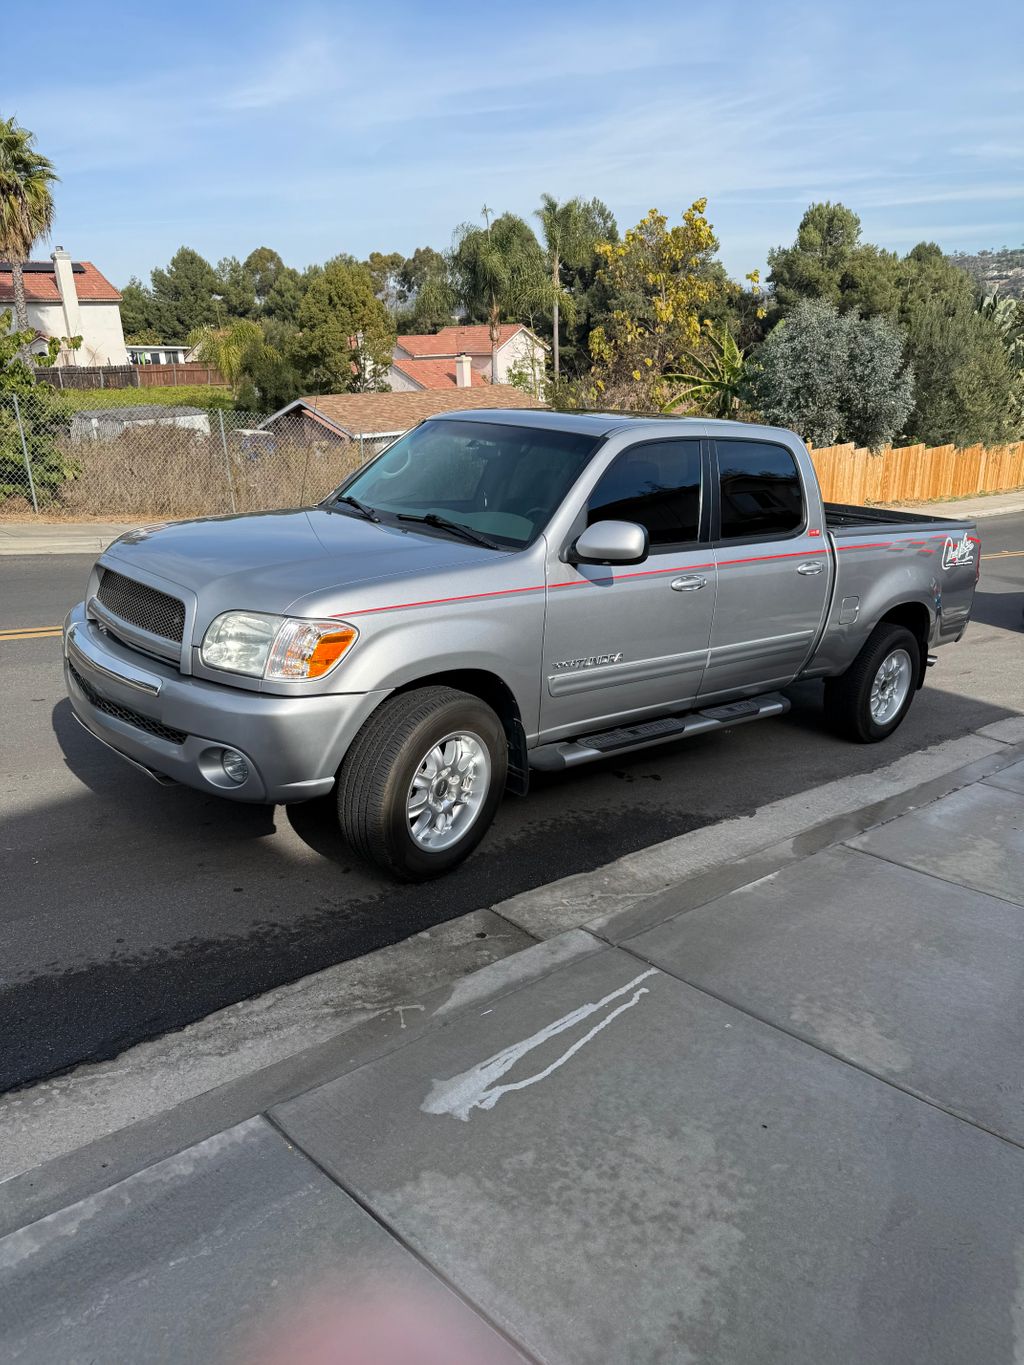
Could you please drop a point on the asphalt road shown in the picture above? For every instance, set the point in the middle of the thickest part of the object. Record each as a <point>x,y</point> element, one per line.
<point>128,909</point>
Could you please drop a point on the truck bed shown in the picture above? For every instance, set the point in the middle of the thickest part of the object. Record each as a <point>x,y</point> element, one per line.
<point>843,516</point>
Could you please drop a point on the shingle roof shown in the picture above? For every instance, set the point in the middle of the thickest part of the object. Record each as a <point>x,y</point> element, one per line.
<point>41,284</point>
<point>434,374</point>
<point>367,413</point>
<point>453,341</point>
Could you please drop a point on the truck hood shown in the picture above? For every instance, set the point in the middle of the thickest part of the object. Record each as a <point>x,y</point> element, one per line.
<point>268,561</point>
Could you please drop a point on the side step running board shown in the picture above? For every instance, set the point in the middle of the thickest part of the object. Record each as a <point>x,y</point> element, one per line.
<point>570,753</point>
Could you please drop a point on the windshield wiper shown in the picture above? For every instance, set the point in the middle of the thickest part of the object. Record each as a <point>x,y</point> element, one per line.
<point>443,524</point>
<point>360,507</point>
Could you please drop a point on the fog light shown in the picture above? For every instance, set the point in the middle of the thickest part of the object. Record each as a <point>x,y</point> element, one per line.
<point>235,766</point>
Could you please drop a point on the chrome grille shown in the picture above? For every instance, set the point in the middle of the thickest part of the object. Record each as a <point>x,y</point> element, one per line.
<point>125,713</point>
<point>141,606</point>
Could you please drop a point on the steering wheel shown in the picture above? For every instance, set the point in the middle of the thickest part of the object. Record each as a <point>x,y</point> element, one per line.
<point>536,514</point>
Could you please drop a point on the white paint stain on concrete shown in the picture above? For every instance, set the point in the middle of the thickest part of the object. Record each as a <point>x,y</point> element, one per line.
<point>476,1088</point>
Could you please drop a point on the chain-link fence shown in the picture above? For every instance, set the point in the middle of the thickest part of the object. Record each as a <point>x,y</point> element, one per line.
<point>58,459</point>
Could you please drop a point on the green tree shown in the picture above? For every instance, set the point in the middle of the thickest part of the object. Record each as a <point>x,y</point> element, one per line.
<point>571,232</point>
<point>26,205</point>
<point>184,295</point>
<point>38,415</point>
<point>965,388</point>
<point>286,293</point>
<point>259,374</point>
<point>345,334</point>
<point>138,313</point>
<point>834,377</point>
<point>498,275</point>
<point>828,261</point>
<point>385,270</point>
<point>426,291</point>
<point>264,267</point>
<point>236,290</point>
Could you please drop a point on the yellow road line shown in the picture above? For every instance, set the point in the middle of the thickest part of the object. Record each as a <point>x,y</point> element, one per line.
<point>31,633</point>
<point>1004,554</point>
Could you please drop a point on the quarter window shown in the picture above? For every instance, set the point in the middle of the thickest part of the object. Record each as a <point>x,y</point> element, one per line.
<point>656,486</point>
<point>761,493</point>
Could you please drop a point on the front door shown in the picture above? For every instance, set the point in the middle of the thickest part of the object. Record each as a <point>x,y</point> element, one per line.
<point>773,571</point>
<point>624,640</point>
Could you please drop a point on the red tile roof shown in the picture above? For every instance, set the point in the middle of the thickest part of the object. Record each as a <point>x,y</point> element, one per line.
<point>41,285</point>
<point>434,374</point>
<point>453,341</point>
<point>367,413</point>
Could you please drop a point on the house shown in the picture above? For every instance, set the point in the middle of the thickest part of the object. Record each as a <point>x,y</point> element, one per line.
<point>69,298</point>
<point>104,424</point>
<point>439,361</point>
<point>334,417</point>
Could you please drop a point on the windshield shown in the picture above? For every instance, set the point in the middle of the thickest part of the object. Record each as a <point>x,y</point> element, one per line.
<point>502,482</point>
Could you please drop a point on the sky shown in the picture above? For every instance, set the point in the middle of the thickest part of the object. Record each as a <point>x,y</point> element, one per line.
<point>317,128</point>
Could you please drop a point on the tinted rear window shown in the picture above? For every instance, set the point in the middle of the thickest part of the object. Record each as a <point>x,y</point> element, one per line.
<point>761,493</point>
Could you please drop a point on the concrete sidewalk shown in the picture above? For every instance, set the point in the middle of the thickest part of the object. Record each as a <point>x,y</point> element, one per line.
<point>41,537</point>
<point>772,1112</point>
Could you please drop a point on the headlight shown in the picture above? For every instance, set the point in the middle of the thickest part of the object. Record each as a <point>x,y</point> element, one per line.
<point>280,647</point>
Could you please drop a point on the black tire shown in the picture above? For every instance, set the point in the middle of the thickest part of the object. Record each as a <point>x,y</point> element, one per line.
<point>375,779</point>
<point>848,697</point>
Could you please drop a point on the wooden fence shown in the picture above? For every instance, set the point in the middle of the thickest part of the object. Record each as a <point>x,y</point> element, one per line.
<point>128,376</point>
<point>918,473</point>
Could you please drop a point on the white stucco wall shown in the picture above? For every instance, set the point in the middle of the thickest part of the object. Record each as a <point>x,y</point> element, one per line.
<point>102,334</point>
<point>400,383</point>
<point>521,350</point>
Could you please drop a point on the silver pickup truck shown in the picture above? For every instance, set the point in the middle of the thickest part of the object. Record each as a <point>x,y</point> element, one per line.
<point>498,592</point>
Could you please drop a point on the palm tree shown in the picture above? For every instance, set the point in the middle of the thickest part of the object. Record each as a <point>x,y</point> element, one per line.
<point>498,271</point>
<point>26,204</point>
<point>227,348</point>
<point>571,231</point>
<point>717,384</point>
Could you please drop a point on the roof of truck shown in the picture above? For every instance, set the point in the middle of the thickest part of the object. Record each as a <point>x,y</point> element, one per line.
<point>604,423</point>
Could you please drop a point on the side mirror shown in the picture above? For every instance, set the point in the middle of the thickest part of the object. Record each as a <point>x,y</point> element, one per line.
<point>611,542</point>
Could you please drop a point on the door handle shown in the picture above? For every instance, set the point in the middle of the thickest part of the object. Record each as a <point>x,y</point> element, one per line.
<point>689,583</point>
<point>812,566</point>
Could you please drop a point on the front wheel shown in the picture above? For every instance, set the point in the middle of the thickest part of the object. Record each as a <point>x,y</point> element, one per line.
<point>870,700</point>
<point>422,781</point>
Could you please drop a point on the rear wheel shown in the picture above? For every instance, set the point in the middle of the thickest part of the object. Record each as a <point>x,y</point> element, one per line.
<point>869,701</point>
<point>421,783</point>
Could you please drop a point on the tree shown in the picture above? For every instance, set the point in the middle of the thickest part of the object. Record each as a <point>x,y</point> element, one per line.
<point>385,270</point>
<point>259,374</point>
<point>26,205</point>
<point>346,336</point>
<point>571,232</point>
<point>717,382</point>
<point>184,295</point>
<point>498,274</point>
<point>834,377</point>
<point>236,290</point>
<point>828,261</point>
<point>656,287</point>
<point>264,267</point>
<point>426,291</point>
<point>39,419</point>
<point>138,313</point>
<point>964,380</point>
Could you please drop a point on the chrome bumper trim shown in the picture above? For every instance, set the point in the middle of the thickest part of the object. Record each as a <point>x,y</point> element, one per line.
<point>77,645</point>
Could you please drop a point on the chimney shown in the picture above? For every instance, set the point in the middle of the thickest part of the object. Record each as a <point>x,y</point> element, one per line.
<point>463,371</point>
<point>65,278</point>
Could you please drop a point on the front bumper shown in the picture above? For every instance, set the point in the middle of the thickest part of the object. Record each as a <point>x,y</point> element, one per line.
<point>175,726</point>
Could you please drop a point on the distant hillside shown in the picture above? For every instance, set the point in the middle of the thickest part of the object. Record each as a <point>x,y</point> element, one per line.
<point>991,270</point>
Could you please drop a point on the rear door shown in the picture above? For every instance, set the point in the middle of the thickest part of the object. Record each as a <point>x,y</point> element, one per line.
<point>623,640</point>
<point>773,569</point>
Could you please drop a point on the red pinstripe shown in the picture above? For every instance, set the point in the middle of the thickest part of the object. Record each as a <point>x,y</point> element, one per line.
<point>618,578</point>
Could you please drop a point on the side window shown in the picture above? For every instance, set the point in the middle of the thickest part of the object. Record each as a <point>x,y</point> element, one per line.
<point>656,485</point>
<point>760,489</point>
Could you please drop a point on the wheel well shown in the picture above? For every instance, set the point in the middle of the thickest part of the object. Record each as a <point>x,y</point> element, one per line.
<point>501,699</point>
<point>914,615</point>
